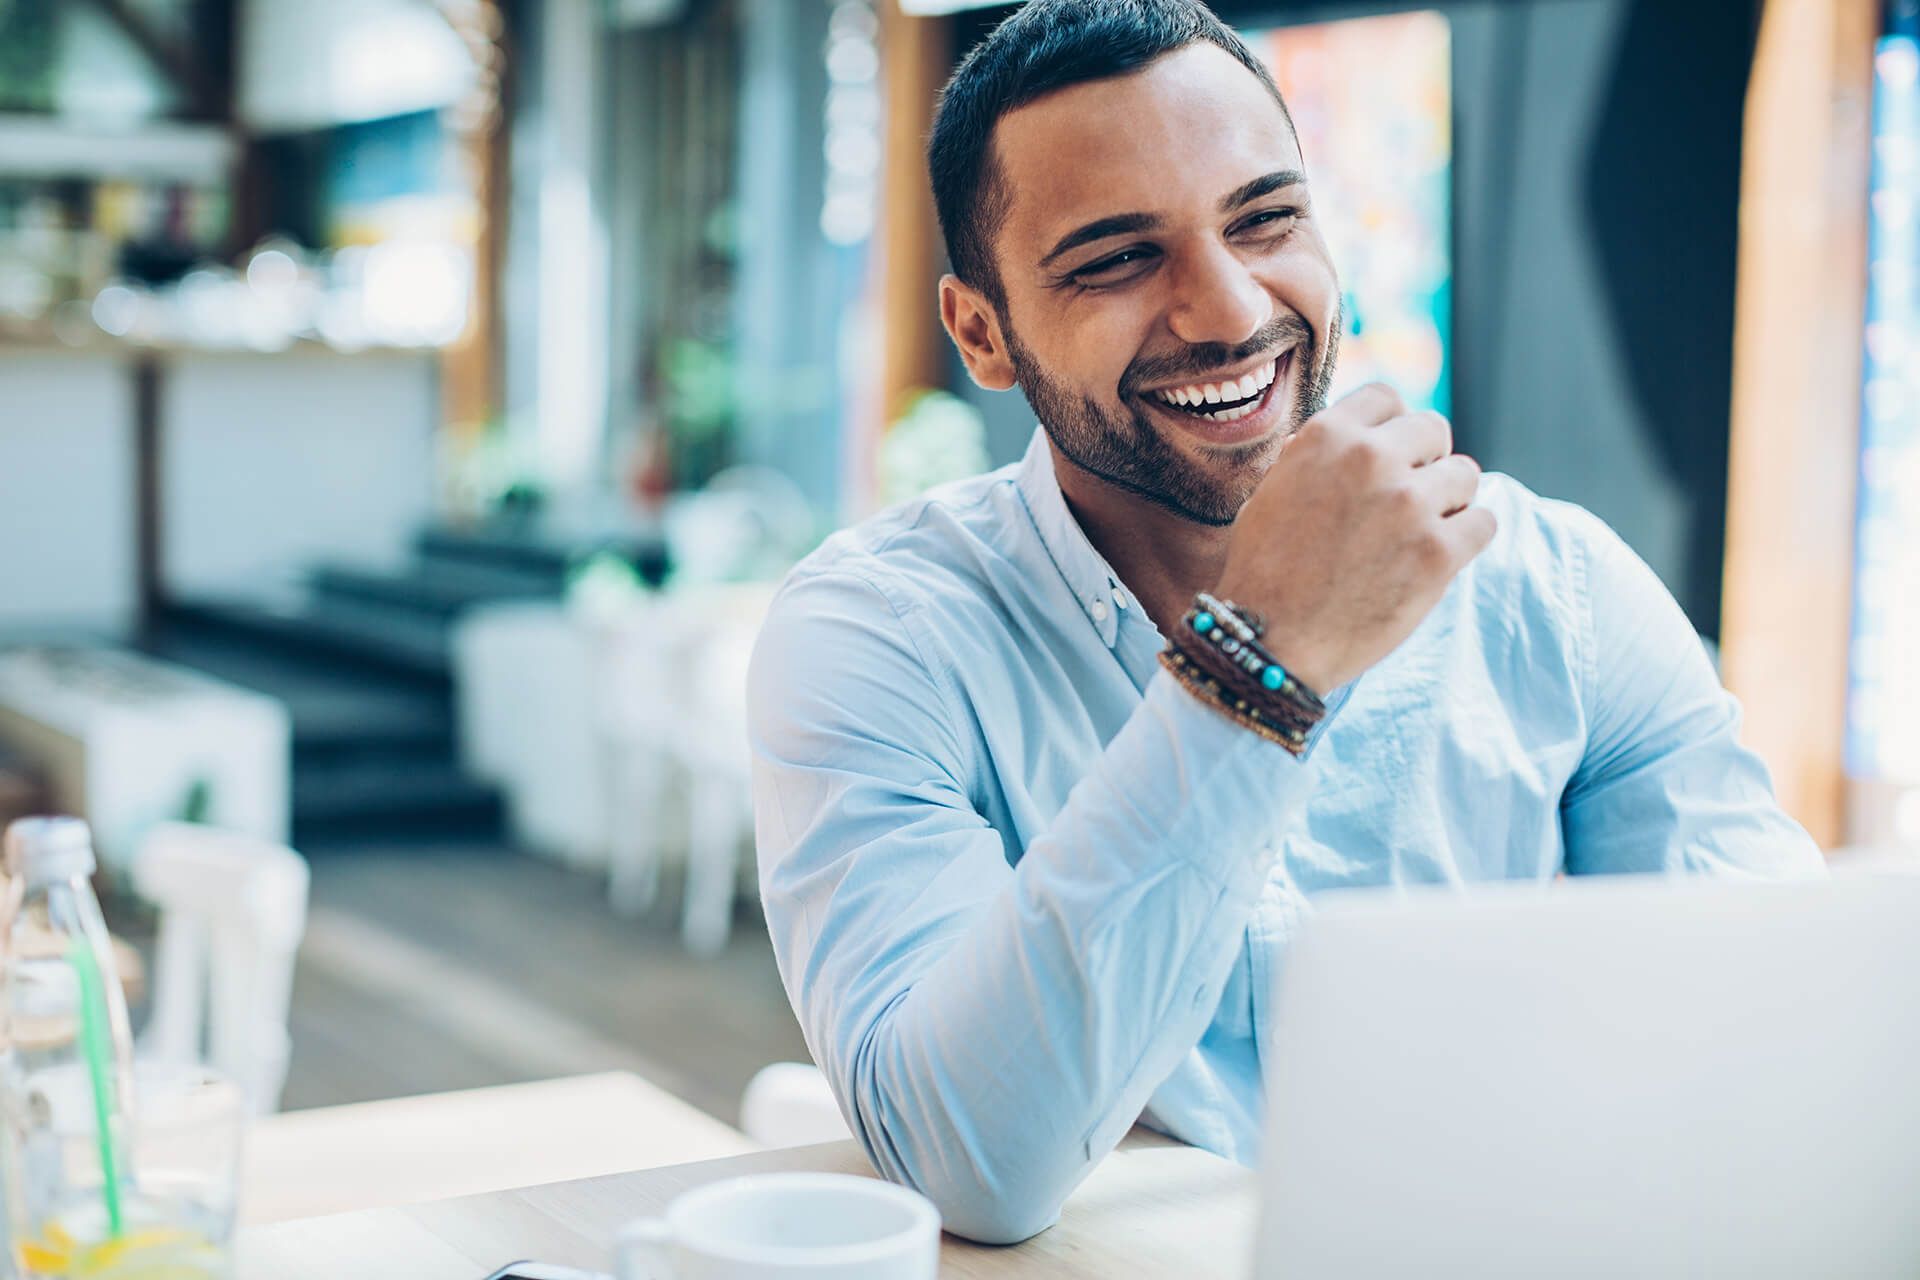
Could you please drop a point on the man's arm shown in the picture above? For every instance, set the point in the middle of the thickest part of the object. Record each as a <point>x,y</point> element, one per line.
<point>992,1030</point>
<point>1664,784</point>
<point>993,1020</point>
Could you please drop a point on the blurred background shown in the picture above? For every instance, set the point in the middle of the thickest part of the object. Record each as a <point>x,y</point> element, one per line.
<point>406,407</point>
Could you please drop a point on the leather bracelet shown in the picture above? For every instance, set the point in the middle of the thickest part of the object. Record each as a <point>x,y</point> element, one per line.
<point>1238,637</point>
<point>1209,691</point>
<point>1211,662</point>
<point>1218,657</point>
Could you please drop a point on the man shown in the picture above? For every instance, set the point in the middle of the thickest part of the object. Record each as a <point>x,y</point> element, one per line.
<point>1025,887</point>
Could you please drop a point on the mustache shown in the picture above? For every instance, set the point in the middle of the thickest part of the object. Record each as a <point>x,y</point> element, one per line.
<point>1201,359</point>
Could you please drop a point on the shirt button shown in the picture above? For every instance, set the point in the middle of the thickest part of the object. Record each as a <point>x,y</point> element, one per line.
<point>1099,610</point>
<point>1119,598</point>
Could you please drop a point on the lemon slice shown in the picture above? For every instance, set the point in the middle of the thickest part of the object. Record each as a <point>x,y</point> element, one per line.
<point>49,1258</point>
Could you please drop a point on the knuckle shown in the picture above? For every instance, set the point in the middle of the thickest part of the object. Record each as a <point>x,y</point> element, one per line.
<point>1357,457</point>
<point>1388,398</point>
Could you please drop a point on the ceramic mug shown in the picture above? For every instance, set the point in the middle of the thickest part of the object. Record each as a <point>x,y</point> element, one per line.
<point>782,1226</point>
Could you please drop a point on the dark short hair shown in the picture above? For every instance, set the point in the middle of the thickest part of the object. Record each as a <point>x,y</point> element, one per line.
<point>1048,45</point>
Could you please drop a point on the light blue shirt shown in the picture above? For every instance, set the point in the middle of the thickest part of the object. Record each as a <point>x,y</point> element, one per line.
<point>1024,889</point>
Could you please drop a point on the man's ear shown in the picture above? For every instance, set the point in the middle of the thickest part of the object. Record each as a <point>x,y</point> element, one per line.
<point>973,322</point>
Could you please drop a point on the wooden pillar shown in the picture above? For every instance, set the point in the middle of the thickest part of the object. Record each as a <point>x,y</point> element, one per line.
<point>916,56</point>
<point>1798,339</point>
<point>470,365</point>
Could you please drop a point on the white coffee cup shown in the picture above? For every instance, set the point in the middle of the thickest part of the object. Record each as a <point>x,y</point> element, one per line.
<point>782,1226</point>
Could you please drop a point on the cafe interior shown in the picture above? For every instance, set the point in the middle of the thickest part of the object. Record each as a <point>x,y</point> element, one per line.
<point>409,407</point>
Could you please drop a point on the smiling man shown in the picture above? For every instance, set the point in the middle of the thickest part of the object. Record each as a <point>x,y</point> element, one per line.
<point>1048,764</point>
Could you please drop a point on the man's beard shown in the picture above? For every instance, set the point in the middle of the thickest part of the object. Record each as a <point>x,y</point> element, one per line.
<point>1128,450</point>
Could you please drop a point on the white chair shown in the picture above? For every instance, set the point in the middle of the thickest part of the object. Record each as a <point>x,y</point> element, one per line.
<point>232,912</point>
<point>633,673</point>
<point>713,749</point>
<point>790,1104</point>
<point>528,721</point>
<point>673,676</point>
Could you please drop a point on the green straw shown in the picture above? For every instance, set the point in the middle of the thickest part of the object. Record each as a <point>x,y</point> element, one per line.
<point>93,1046</point>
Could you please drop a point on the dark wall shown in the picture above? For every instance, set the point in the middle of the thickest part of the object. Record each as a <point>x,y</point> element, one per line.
<point>1597,161</point>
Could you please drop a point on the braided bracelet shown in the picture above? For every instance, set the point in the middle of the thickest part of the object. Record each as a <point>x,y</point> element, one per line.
<point>1224,701</point>
<point>1215,665</point>
<point>1236,634</point>
<point>1218,657</point>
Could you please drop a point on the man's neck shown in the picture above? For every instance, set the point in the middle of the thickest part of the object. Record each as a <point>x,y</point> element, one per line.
<point>1160,557</point>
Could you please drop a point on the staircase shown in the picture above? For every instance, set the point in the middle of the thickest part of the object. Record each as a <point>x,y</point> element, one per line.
<point>363,662</point>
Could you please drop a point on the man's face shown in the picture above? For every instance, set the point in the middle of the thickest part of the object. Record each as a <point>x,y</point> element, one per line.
<point>1171,311</point>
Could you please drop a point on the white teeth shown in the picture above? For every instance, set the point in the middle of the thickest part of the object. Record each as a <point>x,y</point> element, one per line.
<point>1245,388</point>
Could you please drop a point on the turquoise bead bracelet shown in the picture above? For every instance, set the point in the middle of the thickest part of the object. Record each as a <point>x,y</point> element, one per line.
<point>1229,630</point>
<point>1218,657</point>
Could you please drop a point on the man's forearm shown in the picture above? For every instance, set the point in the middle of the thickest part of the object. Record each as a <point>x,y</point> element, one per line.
<point>1022,1054</point>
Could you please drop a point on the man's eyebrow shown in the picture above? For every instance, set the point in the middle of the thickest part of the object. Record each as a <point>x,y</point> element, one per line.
<point>1266,184</point>
<point>1120,224</point>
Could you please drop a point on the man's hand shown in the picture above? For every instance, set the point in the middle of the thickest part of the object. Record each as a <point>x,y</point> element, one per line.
<point>1354,534</point>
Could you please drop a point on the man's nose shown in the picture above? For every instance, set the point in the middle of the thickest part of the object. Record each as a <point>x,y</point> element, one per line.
<point>1217,299</point>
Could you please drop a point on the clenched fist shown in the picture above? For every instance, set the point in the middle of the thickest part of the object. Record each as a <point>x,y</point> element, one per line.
<point>1353,535</point>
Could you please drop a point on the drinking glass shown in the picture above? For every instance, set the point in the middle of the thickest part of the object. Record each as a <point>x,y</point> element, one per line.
<point>176,1163</point>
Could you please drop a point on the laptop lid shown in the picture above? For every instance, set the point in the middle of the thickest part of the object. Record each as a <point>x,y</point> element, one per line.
<point>1638,1076</point>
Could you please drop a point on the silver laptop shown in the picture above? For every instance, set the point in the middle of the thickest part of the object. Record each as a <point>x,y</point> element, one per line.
<point>1632,1077</point>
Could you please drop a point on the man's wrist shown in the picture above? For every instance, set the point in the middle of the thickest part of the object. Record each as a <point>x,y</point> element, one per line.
<point>1216,655</point>
<point>1288,646</point>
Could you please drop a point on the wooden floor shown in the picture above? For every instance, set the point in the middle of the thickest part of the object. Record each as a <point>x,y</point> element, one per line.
<point>431,968</point>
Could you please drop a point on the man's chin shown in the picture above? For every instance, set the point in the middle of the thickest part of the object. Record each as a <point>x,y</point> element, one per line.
<point>1207,484</point>
<point>1230,470</point>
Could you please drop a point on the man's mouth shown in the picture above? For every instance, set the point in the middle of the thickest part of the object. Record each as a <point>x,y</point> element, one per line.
<point>1226,400</point>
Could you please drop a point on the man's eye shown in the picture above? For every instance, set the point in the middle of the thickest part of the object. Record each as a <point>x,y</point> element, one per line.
<point>1117,267</point>
<point>1270,220</point>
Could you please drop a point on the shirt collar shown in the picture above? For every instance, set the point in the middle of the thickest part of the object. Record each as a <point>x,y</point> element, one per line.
<point>1092,580</point>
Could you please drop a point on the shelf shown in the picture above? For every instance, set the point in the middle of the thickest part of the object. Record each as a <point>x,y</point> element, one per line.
<point>36,338</point>
<point>51,147</point>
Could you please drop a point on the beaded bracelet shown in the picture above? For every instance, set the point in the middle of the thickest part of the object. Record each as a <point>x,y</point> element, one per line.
<point>1236,634</point>
<point>1239,710</point>
<point>1212,663</point>
<point>1219,658</point>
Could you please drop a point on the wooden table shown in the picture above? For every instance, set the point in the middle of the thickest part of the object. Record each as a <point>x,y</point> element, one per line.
<point>399,1151</point>
<point>1153,1208</point>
